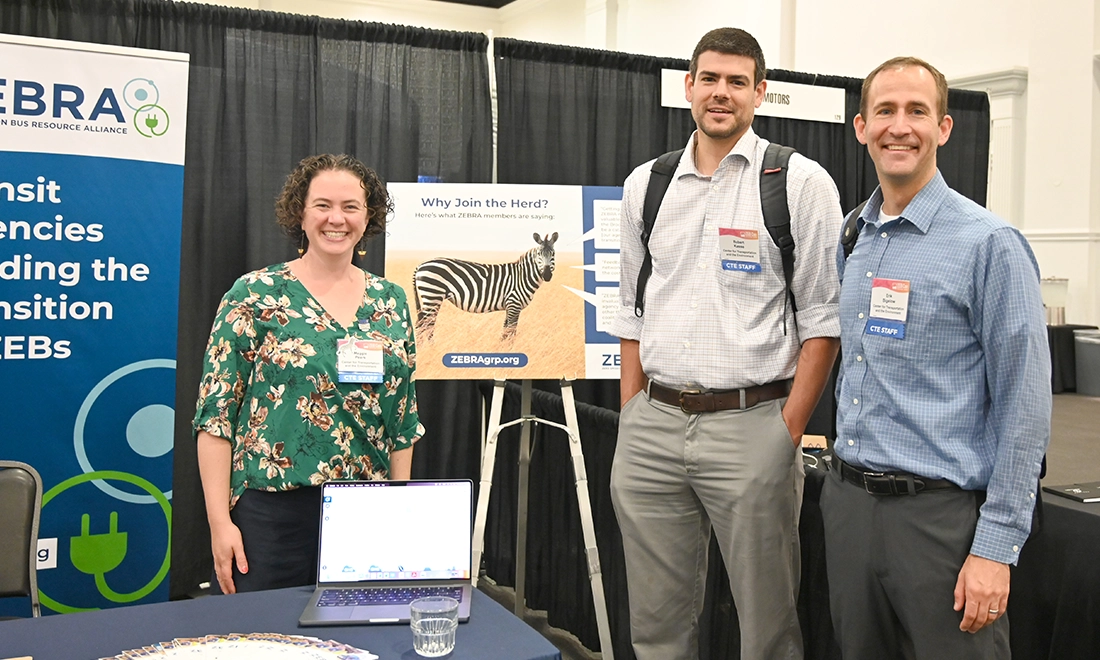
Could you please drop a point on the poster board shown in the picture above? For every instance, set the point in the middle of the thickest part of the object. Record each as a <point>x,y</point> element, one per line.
<point>560,324</point>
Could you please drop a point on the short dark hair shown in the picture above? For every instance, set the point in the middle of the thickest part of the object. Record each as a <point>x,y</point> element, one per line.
<point>902,63</point>
<point>291,201</point>
<point>731,41</point>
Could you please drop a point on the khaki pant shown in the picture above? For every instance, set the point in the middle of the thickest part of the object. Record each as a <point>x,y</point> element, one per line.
<point>675,476</point>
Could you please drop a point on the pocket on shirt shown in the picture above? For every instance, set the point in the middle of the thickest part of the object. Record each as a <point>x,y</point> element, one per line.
<point>753,292</point>
<point>733,286</point>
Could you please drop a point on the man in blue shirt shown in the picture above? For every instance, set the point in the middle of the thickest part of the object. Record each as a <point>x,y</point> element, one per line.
<point>943,402</point>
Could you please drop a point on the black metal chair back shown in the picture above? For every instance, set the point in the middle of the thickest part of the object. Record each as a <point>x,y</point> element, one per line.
<point>20,506</point>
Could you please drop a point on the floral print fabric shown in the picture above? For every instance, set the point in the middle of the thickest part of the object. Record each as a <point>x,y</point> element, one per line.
<point>270,386</point>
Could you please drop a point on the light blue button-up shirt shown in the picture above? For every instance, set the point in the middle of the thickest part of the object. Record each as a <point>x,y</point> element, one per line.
<point>965,396</point>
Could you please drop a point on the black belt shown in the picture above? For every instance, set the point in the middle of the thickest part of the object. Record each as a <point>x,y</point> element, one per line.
<point>889,483</point>
<point>699,401</point>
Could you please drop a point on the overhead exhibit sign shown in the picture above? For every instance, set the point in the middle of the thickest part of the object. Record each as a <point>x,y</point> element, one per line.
<point>782,99</point>
<point>91,200</point>
<point>508,281</point>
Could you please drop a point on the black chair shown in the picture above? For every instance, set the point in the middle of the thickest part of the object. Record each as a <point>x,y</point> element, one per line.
<point>20,506</point>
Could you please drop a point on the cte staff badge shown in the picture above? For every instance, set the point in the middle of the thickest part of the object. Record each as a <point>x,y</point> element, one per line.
<point>740,249</point>
<point>889,308</point>
<point>359,360</point>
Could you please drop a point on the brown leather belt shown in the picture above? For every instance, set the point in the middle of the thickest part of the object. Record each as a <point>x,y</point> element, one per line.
<point>699,401</point>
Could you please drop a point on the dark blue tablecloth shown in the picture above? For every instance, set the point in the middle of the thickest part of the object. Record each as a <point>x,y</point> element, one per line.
<point>1063,368</point>
<point>492,633</point>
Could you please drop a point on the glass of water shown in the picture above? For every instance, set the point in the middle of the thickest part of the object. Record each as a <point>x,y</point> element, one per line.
<point>433,622</point>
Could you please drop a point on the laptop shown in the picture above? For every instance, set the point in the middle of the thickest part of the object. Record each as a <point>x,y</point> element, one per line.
<point>384,544</point>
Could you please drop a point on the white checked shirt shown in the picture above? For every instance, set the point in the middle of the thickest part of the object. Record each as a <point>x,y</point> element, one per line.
<point>705,327</point>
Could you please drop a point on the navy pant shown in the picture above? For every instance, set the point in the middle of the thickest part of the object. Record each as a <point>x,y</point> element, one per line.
<point>280,538</point>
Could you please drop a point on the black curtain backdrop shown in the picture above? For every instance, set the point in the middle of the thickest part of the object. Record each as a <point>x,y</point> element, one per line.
<point>573,116</point>
<point>265,90</point>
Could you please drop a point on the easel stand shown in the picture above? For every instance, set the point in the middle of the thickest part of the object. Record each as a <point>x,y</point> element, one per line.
<point>488,458</point>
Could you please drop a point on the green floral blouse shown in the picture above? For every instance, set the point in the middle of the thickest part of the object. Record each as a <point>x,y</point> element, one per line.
<point>270,386</point>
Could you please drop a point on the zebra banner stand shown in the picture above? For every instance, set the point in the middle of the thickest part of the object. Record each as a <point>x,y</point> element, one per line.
<point>488,458</point>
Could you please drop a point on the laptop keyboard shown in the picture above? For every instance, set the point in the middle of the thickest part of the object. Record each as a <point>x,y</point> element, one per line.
<point>383,595</point>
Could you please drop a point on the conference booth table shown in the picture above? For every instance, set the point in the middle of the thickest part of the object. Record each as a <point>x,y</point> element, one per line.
<point>492,632</point>
<point>1063,365</point>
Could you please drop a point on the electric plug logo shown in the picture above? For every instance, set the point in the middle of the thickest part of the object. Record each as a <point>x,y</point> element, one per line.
<point>151,120</point>
<point>142,96</point>
<point>100,553</point>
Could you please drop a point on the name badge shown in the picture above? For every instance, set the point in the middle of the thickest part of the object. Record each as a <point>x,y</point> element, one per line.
<point>889,308</point>
<point>359,360</point>
<point>740,249</point>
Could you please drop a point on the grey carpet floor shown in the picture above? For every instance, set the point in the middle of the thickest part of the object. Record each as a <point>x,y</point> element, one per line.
<point>1074,452</point>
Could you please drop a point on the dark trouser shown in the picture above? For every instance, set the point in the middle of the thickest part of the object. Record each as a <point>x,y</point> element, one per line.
<point>280,539</point>
<point>893,561</point>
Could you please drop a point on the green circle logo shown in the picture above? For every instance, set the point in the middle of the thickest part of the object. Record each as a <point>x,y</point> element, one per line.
<point>93,555</point>
<point>151,120</point>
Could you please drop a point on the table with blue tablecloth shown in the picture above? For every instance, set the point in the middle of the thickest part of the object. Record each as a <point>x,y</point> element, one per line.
<point>492,633</point>
<point>1063,367</point>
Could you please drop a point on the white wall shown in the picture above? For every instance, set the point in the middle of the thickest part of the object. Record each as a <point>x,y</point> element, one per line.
<point>1062,202</point>
<point>672,28</point>
<point>959,37</point>
<point>1052,130</point>
<point>420,13</point>
<point>560,22</point>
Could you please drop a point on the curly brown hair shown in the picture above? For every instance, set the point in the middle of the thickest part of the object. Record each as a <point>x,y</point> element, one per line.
<point>291,201</point>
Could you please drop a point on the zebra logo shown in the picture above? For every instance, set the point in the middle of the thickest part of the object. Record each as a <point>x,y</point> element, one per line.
<point>481,288</point>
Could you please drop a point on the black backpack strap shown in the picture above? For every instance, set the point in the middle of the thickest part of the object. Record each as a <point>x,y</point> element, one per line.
<point>850,234</point>
<point>660,176</point>
<point>777,215</point>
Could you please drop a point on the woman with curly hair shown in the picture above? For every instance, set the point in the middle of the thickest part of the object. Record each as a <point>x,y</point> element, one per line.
<point>308,377</point>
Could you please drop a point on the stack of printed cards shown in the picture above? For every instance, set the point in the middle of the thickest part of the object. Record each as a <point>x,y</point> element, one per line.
<point>253,646</point>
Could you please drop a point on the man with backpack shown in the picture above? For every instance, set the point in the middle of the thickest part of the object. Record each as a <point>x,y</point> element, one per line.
<point>725,353</point>
<point>943,401</point>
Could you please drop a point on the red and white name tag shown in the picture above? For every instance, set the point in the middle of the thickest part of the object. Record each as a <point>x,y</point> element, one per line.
<point>889,308</point>
<point>740,249</point>
<point>359,360</point>
<point>890,299</point>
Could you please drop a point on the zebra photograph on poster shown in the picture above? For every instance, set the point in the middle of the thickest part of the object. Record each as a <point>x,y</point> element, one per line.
<point>492,274</point>
<point>481,288</point>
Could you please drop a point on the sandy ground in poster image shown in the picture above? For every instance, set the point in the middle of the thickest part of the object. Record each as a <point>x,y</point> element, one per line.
<point>550,330</point>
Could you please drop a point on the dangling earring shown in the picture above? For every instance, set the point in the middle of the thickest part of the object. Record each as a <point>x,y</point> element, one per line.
<point>361,249</point>
<point>302,245</point>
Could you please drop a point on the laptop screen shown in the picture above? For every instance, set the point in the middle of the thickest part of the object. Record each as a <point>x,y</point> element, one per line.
<point>395,530</point>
